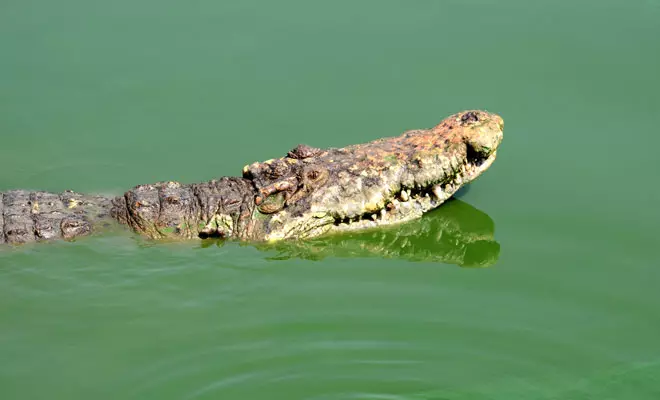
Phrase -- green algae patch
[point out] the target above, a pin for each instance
(391, 158)
(169, 230)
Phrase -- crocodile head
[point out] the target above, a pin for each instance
(312, 191)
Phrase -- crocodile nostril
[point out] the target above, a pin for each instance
(469, 116)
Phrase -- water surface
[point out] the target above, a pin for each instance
(100, 96)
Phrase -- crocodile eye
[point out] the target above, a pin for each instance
(313, 175)
(271, 204)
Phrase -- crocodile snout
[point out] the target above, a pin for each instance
(484, 133)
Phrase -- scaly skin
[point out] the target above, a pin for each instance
(305, 194)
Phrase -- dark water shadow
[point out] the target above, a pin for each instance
(455, 233)
(462, 192)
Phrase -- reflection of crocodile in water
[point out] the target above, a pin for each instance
(308, 193)
(455, 233)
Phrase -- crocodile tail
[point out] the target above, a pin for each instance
(31, 216)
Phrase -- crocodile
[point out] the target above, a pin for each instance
(305, 194)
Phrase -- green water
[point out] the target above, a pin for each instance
(100, 96)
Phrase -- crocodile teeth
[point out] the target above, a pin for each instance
(437, 191)
(382, 213)
(404, 195)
